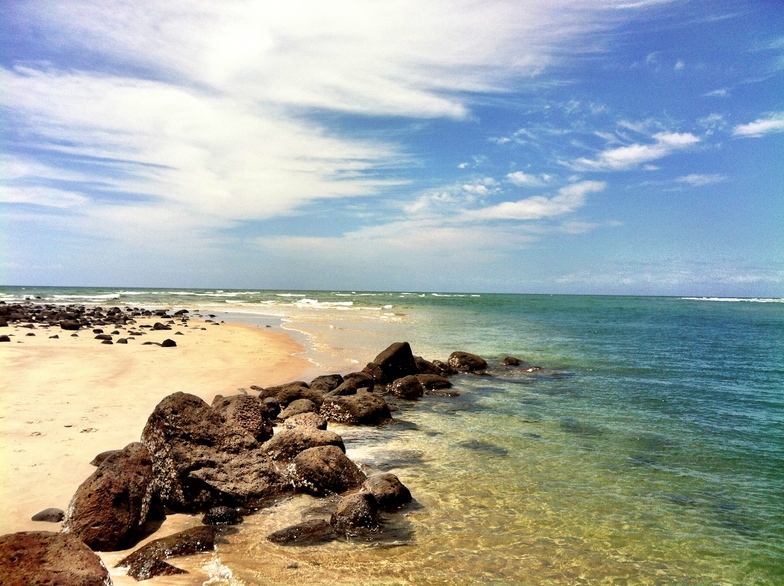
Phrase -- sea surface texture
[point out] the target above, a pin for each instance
(648, 449)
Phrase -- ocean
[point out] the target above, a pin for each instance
(649, 448)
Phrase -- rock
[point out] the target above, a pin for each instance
(102, 456)
(296, 407)
(4, 338)
(107, 342)
(361, 408)
(307, 420)
(390, 493)
(511, 361)
(324, 470)
(374, 371)
(250, 479)
(407, 387)
(248, 412)
(326, 382)
(103, 337)
(158, 326)
(305, 533)
(43, 557)
(397, 361)
(466, 362)
(185, 435)
(355, 511)
(222, 516)
(425, 366)
(150, 568)
(185, 542)
(444, 369)
(434, 381)
(360, 380)
(49, 516)
(122, 340)
(287, 443)
(168, 343)
(109, 509)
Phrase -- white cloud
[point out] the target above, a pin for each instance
(761, 126)
(679, 65)
(719, 93)
(42, 196)
(697, 180)
(626, 157)
(526, 180)
(569, 199)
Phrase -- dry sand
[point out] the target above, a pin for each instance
(62, 401)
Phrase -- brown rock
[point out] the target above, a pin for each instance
(247, 412)
(307, 420)
(305, 533)
(466, 362)
(408, 387)
(296, 407)
(109, 509)
(362, 408)
(390, 493)
(286, 444)
(43, 557)
(325, 470)
(397, 361)
(355, 511)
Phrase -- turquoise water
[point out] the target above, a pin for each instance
(649, 449)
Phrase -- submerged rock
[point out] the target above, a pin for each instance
(305, 533)
(222, 516)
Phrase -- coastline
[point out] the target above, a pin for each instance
(63, 401)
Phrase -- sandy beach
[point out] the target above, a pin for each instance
(64, 400)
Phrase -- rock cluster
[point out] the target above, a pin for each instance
(224, 459)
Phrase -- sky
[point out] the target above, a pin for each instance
(538, 146)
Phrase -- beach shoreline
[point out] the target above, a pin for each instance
(63, 400)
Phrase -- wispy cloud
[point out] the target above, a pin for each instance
(569, 199)
(626, 157)
(761, 126)
(697, 180)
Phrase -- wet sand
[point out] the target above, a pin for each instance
(62, 401)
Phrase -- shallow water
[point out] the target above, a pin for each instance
(649, 449)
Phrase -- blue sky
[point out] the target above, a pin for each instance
(558, 146)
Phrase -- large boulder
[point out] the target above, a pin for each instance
(286, 444)
(248, 412)
(324, 470)
(397, 361)
(109, 509)
(466, 362)
(361, 408)
(390, 493)
(184, 435)
(44, 557)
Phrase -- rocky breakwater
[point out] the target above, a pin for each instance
(241, 453)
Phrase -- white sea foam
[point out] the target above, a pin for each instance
(737, 299)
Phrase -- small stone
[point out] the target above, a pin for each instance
(168, 343)
(49, 515)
